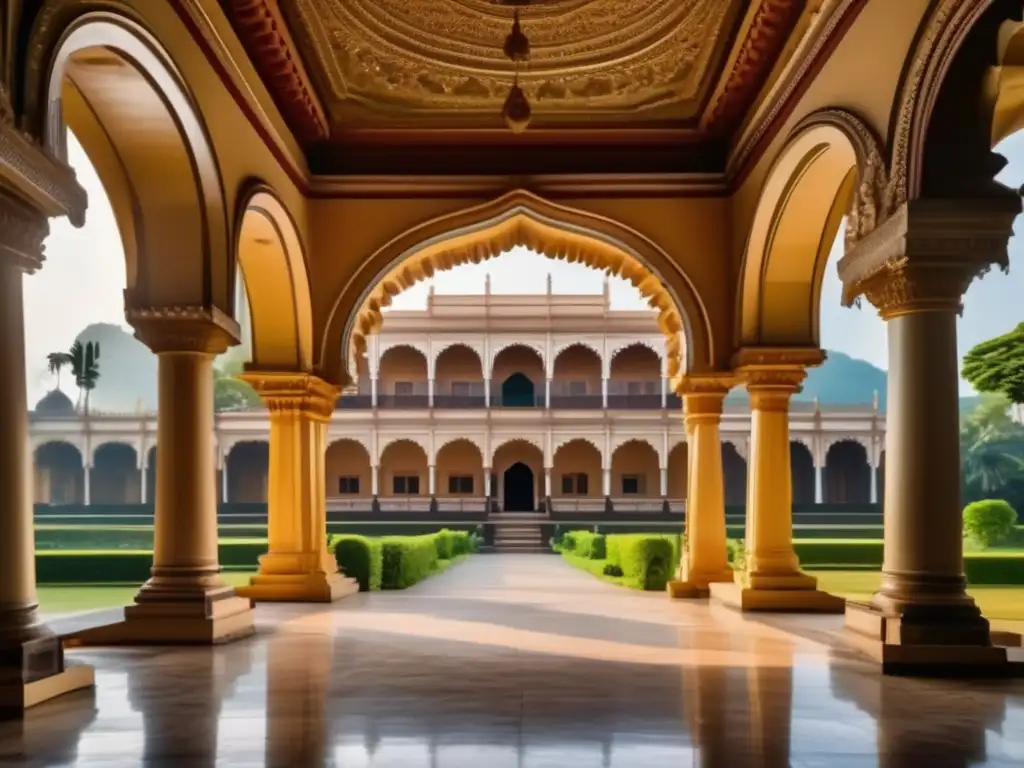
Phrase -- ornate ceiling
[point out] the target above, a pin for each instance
(440, 62)
(658, 85)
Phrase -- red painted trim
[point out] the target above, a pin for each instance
(295, 174)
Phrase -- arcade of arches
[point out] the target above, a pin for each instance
(716, 185)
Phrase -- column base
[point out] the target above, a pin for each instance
(17, 696)
(299, 587)
(796, 593)
(928, 642)
(696, 586)
(208, 617)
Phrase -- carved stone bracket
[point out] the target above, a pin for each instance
(48, 183)
(184, 329)
(22, 232)
(926, 255)
(292, 393)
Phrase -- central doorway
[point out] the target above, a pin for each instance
(518, 489)
(517, 391)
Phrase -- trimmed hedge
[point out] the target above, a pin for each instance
(646, 561)
(360, 558)
(406, 560)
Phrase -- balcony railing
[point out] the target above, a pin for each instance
(406, 504)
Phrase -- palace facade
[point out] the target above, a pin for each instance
(528, 401)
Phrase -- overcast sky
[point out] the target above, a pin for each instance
(84, 275)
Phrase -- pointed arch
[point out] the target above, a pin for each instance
(485, 231)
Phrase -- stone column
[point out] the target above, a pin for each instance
(430, 393)
(705, 559)
(819, 487)
(373, 391)
(86, 483)
(771, 579)
(914, 269)
(487, 393)
(297, 566)
(604, 393)
(184, 600)
(547, 393)
(32, 668)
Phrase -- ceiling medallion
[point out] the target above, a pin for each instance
(516, 109)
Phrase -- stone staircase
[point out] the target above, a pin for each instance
(519, 532)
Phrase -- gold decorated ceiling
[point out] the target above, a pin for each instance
(612, 62)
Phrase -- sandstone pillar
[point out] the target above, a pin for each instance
(297, 566)
(184, 600)
(704, 559)
(32, 667)
(914, 269)
(771, 579)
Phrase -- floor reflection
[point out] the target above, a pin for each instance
(474, 669)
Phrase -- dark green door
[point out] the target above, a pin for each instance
(517, 392)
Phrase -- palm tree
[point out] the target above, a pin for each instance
(56, 362)
(990, 443)
(85, 367)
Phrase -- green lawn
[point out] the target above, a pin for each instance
(996, 602)
(72, 598)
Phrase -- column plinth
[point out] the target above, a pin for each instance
(32, 664)
(297, 566)
(771, 579)
(184, 600)
(914, 268)
(704, 560)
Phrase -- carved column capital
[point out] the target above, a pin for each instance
(927, 254)
(703, 396)
(291, 393)
(23, 229)
(184, 329)
(774, 374)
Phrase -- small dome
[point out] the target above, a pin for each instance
(55, 403)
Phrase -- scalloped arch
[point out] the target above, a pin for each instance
(365, 445)
(864, 442)
(127, 442)
(444, 346)
(485, 231)
(619, 443)
(565, 346)
(383, 443)
(623, 345)
(498, 443)
(75, 442)
(560, 443)
(501, 347)
(450, 439)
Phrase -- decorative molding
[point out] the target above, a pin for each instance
(441, 440)
(364, 442)
(294, 395)
(268, 46)
(501, 346)
(773, 23)
(48, 183)
(560, 441)
(385, 441)
(23, 230)
(498, 441)
(618, 441)
(183, 328)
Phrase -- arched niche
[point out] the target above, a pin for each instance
(59, 474)
(526, 462)
(460, 469)
(347, 471)
(576, 376)
(802, 470)
(402, 377)
(634, 376)
(248, 468)
(458, 376)
(115, 475)
(847, 473)
(403, 469)
(520, 218)
(517, 377)
(576, 469)
(635, 470)
(831, 167)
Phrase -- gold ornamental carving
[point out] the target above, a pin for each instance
(183, 329)
(23, 229)
(774, 374)
(615, 58)
(294, 394)
(903, 288)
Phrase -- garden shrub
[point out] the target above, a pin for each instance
(611, 568)
(360, 558)
(989, 522)
(568, 541)
(406, 560)
(644, 559)
(443, 543)
(463, 543)
(988, 569)
(589, 545)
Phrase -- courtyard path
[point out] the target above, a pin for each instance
(516, 660)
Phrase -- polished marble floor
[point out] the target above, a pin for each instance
(518, 661)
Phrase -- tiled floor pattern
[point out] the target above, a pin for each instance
(524, 662)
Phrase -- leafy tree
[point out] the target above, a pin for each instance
(997, 365)
(989, 521)
(991, 447)
(231, 394)
(56, 362)
(85, 367)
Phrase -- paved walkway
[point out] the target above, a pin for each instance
(517, 660)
